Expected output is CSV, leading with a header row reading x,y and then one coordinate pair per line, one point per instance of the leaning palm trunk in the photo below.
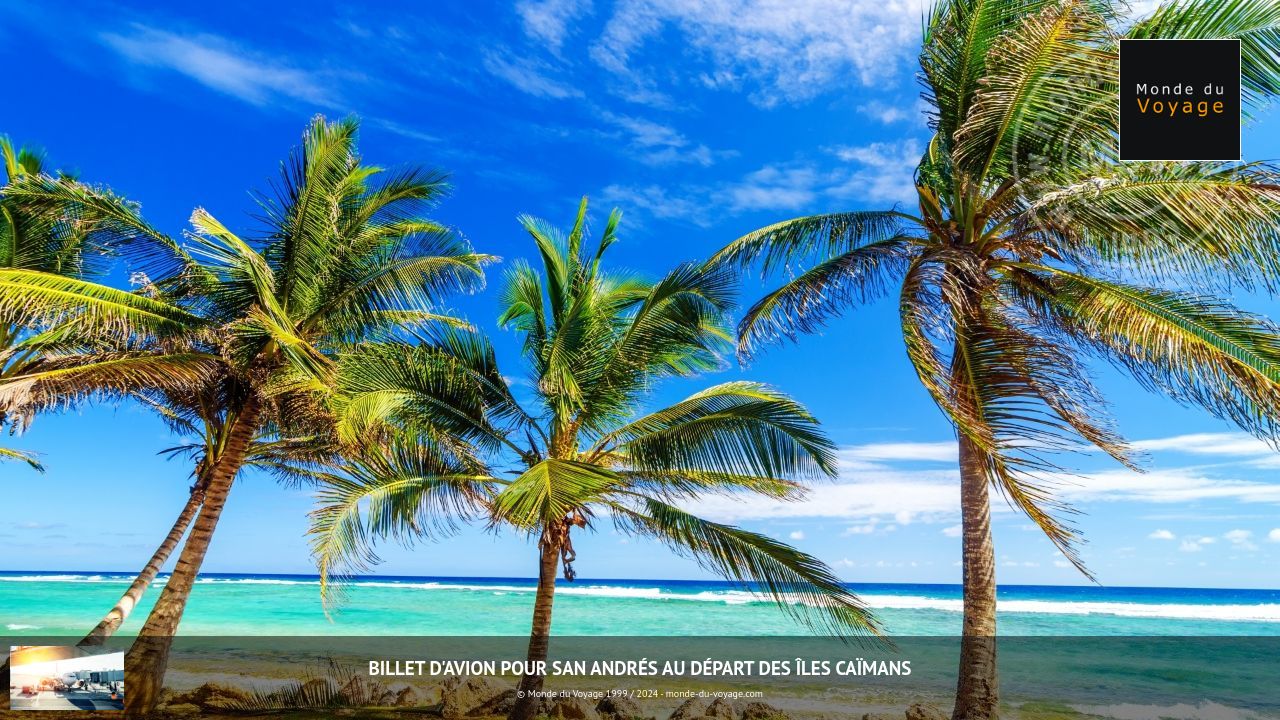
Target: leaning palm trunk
x,y
114,619
976,690
149,657
527,703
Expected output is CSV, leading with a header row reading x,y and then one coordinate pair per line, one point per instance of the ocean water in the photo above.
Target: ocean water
x,y
69,603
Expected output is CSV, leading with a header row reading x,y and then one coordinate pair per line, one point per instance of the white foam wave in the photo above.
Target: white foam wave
x,y
64,578
1253,613
1182,611
20,626
1206,710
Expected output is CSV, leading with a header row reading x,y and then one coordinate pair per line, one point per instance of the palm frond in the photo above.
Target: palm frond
x,y
736,428
1198,350
799,584
102,220
550,490
1256,23
1042,74
70,381
1211,222
805,303
406,493
815,237
23,457
33,298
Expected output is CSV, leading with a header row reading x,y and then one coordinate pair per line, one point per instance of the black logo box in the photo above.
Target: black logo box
x,y
1185,69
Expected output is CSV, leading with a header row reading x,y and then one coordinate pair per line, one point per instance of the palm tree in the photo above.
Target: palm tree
x,y
1032,247
594,343
26,242
341,259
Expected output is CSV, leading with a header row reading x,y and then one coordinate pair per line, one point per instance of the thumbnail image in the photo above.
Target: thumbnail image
x,y
64,678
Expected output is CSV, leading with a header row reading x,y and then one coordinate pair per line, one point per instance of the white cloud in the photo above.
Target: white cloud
x,y
1242,539
548,20
781,50
1234,444
528,76
1274,535
656,144
864,529
1195,544
219,64
655,201
868,496
1062,563
1161,535
953,531
878,173
946,451
884,112
1174,485
796,535
774,188
882,172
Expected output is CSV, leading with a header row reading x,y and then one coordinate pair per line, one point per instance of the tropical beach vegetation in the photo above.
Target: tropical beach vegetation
x,y
27,242
318,349
246,331
594,342
1032,249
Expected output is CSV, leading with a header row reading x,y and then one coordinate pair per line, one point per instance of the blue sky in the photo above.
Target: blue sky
x,y
701,119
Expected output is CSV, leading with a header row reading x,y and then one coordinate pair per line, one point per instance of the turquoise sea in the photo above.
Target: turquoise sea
x,y
68,603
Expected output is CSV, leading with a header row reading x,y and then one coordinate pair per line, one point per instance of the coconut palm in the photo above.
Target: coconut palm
x,y
198,416
594,344
1031,248
27,242
341,258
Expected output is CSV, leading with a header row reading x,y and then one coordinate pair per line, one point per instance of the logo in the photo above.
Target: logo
x,y
1180,100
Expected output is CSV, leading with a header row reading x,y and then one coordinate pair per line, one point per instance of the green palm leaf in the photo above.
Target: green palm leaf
x,y
1196,349
799,584
1256,23
550,490
807,302
22,457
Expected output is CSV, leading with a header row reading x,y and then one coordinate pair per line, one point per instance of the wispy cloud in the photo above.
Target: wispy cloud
x,y
528,76
774,188
654,143
884,481
880,172
885,112
549,21
1234,444
779,51
1161,535
657,202
220,64
1242,539
1195,544
946,451
868,497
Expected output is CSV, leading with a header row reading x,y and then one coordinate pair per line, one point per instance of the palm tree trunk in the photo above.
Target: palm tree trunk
x,y
526,706
977,689
147,660
133,595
